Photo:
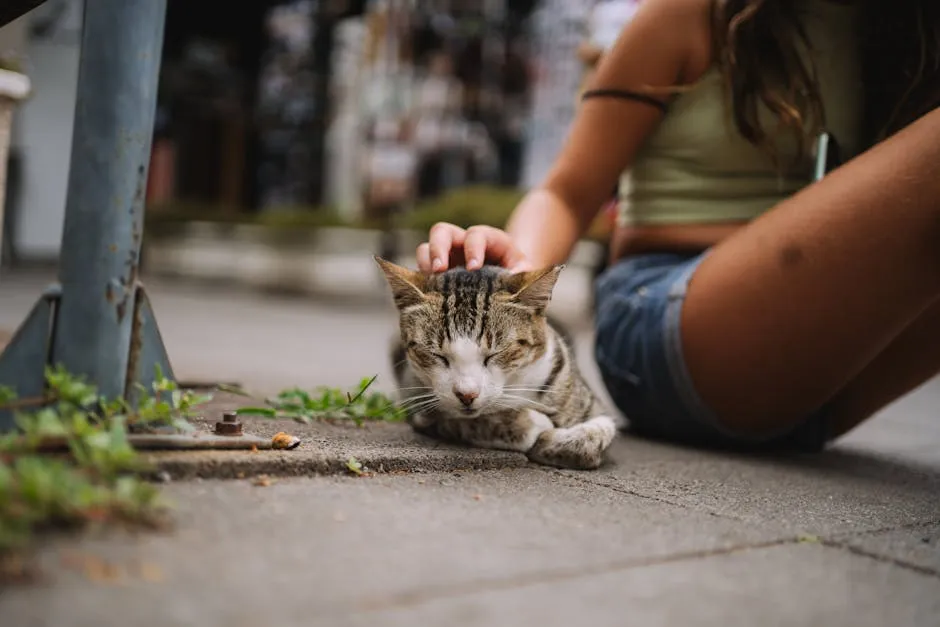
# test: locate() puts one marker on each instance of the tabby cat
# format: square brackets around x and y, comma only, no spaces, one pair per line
[479,363]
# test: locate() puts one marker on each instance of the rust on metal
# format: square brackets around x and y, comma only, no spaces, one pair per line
[161,442]
[136,341]
[229,426]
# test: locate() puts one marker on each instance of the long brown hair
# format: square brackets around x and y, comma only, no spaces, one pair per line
[756,50]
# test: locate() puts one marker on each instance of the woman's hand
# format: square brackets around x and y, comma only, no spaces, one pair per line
[449,245]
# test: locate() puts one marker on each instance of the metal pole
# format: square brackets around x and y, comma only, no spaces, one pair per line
[114,116]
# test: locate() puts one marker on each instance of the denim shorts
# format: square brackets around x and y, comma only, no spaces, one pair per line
[638,349]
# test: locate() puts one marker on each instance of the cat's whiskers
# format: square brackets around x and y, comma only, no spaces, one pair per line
[426,405]
[413,395]
[537,390]
[528,401]
[529,388]
[417,399]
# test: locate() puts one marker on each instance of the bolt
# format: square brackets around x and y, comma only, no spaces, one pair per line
[229,424]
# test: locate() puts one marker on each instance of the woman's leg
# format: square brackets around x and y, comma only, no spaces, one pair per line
[785,314]
[912,359]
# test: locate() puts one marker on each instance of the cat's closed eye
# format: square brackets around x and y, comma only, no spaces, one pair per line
[520,342]
[413,346]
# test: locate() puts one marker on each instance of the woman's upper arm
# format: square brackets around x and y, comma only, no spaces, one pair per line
[656,49]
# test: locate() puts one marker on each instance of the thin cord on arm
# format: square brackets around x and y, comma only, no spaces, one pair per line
[624,94]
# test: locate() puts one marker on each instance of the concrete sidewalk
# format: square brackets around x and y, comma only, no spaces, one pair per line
[443,535]
[662,536]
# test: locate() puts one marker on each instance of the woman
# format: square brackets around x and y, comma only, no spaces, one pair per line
[749,306]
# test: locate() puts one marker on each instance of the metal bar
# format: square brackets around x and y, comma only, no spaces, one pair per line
[114,115]
[147,359]
[23,363]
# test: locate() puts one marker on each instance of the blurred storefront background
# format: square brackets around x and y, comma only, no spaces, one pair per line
[321,113]
[361,105]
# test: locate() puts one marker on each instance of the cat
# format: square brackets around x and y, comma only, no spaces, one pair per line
[479,363]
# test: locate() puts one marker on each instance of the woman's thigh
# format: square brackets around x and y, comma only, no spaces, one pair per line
[639,354]
[786,312]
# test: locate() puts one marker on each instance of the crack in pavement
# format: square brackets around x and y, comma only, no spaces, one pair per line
[410,599]
[843,541]
[649,497]
[659,499]
[836,540]
[873,532]
[878,557]
[403,600]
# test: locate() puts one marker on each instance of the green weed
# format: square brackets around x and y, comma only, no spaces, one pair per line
[330,404]
[99,479]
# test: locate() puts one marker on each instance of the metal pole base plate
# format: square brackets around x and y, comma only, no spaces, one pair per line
[30,351]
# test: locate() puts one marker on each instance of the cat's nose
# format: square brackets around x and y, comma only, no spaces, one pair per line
[466,398]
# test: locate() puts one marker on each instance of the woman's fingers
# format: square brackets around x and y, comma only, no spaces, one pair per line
[476,246]
[423,255]
[449,245]
[514,260]
[488,244]
[443,238]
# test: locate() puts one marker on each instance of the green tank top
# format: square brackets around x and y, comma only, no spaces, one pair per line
[695,168]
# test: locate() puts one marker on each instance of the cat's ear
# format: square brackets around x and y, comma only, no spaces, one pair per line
[406,284]
[534,289]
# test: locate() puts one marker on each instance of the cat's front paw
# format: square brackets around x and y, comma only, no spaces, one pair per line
[548,452]
[580,447]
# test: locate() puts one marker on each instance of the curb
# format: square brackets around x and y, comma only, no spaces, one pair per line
[325,449]
[188,466]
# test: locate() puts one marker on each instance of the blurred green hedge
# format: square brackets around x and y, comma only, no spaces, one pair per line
[464,206]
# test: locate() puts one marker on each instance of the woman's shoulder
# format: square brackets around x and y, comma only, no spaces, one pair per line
[687,22]
[690,11]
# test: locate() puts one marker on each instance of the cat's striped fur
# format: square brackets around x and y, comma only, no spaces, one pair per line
[479,363]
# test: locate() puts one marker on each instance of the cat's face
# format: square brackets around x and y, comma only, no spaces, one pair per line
[472,337]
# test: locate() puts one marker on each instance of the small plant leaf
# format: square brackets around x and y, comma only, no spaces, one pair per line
[353,466]
[332,404]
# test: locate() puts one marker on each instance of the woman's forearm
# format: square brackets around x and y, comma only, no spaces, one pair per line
[544,228]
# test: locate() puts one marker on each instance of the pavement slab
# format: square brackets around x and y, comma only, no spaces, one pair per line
[319,550]
[916,546]
[840,490]
[779,586]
